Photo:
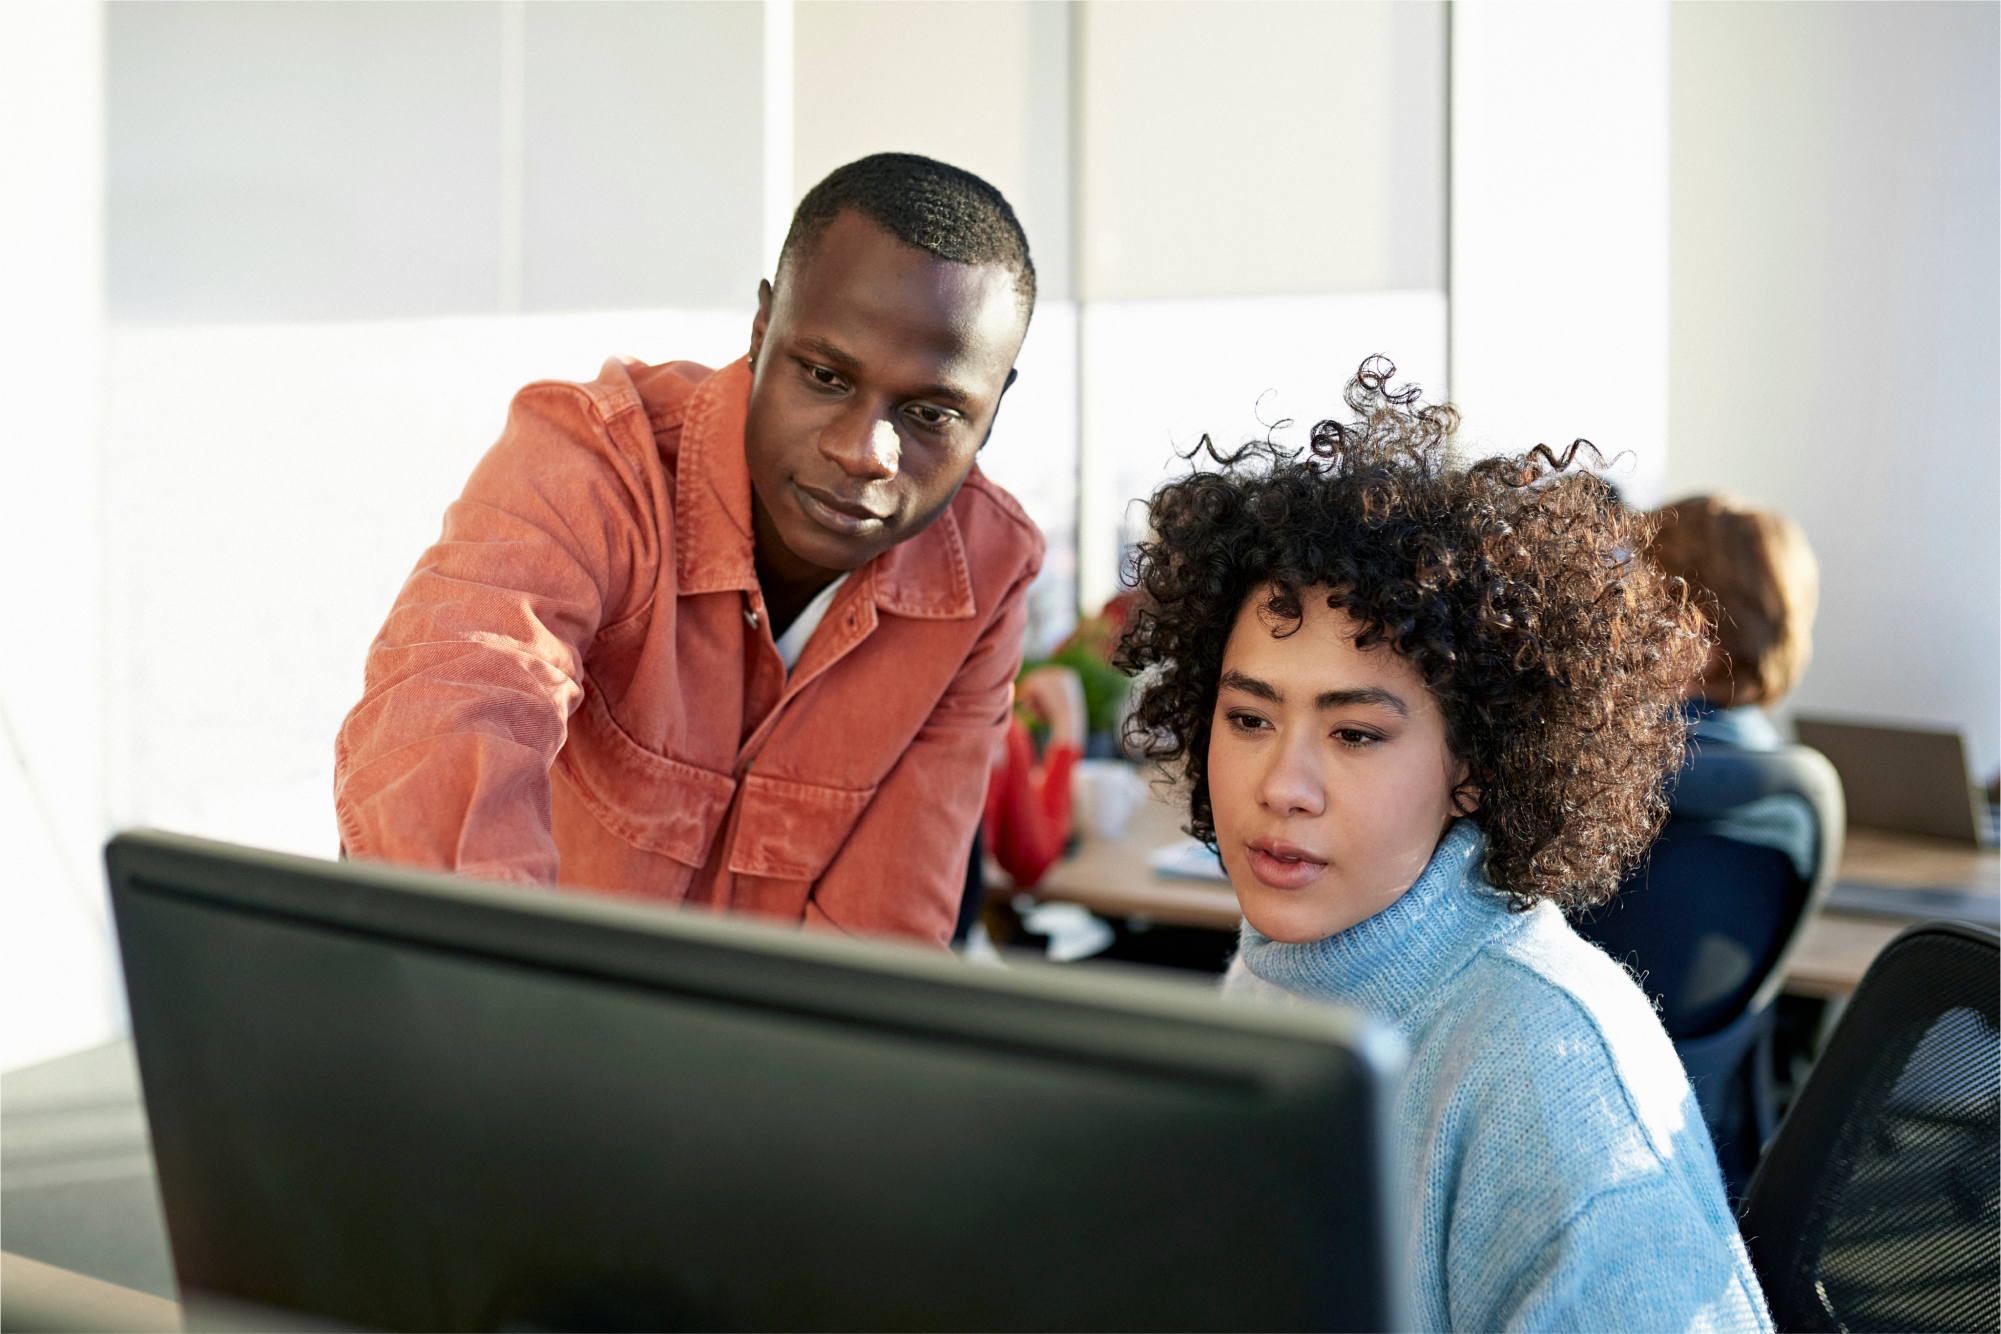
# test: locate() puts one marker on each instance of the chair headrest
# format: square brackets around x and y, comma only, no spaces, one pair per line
[1716,779]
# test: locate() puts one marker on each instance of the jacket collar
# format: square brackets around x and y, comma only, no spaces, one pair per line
[925,578]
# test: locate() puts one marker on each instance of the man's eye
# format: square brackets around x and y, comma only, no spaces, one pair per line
[823,377]
[929,416]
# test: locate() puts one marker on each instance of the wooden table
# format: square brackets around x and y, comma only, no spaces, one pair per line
[1839,946]
[1111,878]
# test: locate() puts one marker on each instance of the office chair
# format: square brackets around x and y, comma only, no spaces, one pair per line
[1876,1206]
[1707,923]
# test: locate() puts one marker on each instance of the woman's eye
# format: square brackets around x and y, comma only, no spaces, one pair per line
[1247,722]
[1355,740]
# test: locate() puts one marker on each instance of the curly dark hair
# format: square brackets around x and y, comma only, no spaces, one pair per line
[1515,586]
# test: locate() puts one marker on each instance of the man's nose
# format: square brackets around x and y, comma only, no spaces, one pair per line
[867,448]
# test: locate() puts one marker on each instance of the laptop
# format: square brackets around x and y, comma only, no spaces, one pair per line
[1901,778]
[394,1100]
[1911,781]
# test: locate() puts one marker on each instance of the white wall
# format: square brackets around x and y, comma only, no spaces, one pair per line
[1560,230]
[1262,147]
[1033,453]
[1261,205]
[328,160]
[1837,217]
[1003,114]
[1163,373]
[60,991]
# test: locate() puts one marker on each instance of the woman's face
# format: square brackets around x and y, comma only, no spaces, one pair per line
[1329,773]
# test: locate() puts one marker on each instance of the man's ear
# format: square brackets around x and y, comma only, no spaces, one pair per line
[760,321]
[1012,374]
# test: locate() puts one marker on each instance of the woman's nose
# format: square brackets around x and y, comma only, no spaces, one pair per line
[1292,784]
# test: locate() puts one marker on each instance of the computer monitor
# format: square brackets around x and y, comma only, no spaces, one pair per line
[409,1101]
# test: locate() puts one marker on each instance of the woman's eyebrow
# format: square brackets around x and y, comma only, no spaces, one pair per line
[1250,685]
[1330,699]
[1341,699]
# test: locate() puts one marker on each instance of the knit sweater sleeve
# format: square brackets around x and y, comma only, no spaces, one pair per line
[1640,1258]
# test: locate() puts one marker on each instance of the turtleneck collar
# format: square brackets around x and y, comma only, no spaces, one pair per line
[1394,965]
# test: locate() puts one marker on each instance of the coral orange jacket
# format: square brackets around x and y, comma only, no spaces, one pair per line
[578,683]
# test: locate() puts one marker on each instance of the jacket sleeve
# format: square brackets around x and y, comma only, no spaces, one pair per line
[903,868]
[445,761]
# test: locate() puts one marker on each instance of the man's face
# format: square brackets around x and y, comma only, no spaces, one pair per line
[879,368]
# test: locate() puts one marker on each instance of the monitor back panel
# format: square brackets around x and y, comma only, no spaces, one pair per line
[1899,778]
[407,1106]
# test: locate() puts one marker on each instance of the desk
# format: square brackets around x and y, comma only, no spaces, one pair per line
[34,1295]
[1913,861]
[1111,878]
[1839,945]
[76,1170]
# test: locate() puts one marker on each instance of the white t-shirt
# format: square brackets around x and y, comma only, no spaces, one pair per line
[793,642]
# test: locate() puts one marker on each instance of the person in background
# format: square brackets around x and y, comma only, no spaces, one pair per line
[741,638]
[1704,917]
[1753,577]
[1420,711]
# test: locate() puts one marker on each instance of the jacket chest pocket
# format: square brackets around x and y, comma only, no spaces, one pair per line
[656,804]
[791,831]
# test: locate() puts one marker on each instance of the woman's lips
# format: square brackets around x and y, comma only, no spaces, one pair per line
[1284,865]
[843,516]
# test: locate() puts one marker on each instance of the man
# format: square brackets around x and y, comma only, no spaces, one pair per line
[742,638]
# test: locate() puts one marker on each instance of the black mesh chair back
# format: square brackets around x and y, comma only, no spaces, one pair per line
[1876,1206]
[1707,923]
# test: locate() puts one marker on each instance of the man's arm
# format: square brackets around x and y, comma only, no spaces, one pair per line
[445,761]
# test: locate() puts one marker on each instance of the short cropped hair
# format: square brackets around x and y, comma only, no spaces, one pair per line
[1513,586]
[931,205]
[1753,576]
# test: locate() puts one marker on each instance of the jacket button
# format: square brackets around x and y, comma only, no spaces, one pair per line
[750,618]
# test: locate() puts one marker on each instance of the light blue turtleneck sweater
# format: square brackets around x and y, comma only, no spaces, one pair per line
[1559,1175]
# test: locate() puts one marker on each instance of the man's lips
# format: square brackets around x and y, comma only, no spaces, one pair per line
[1283,865]
[849,517]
